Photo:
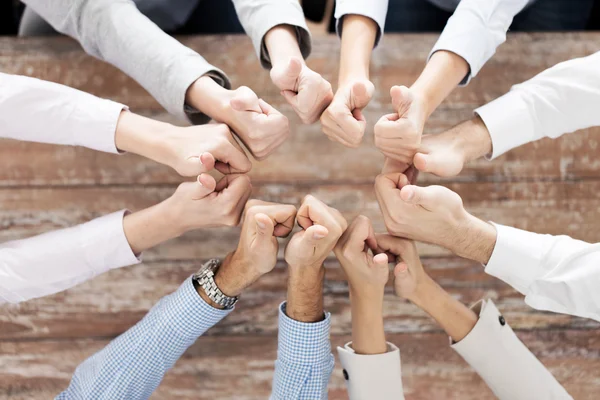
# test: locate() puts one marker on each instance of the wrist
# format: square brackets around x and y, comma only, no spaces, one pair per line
[305,294]
[210,98]
[476,239]
[366,296]
[424,292]
[234,275]
[474,138]
[281,42]
[141,135]
[204,297]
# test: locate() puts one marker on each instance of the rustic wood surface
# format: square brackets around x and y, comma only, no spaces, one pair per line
[548,186]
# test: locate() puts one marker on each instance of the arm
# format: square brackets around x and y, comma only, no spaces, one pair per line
[116,32]
[481,336]
[56,261]
[343,120]
[133,365]
[304,360]
[371,365]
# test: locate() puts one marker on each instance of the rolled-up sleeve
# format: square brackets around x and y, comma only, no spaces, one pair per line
[374,9]
[39,111]
[304,360]
[476,29]
[259,16]
[115,31]
[58,260]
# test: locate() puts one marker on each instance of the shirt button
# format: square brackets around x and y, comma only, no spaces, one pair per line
[346,377]
[502,320]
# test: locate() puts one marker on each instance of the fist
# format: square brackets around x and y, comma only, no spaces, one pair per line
[259,126]
[305,90]
[355,251]
[343,120]
[398,135]
[409,274]
[205,203]
[430,214]
[321,226]
[194,150]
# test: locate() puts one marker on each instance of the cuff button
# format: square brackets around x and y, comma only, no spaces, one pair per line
[502,320]
[346,377]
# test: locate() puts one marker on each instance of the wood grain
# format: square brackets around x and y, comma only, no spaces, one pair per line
[241,367]
[109,304]
[547,207]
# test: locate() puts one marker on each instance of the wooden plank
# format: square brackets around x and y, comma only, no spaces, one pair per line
[398,60]
[241,367]
[546,207]
[308,156]
[109,304]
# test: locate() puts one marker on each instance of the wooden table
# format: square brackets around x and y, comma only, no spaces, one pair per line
[548,186]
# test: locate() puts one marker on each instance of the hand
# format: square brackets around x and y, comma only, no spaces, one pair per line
[409,275]
[256,253]
[432,214]
[343,120]
[305,90]
[446,153]
[206,204]
[197,149]
[398,135]
[261,127]
[321,226]
[354,250]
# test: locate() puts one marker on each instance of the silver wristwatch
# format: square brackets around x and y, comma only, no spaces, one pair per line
[205,278]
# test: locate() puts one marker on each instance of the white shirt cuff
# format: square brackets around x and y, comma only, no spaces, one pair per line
[517,257]
[372,375]
[508,121]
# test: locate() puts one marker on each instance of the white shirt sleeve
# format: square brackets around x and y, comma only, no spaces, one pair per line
[506,365]
[559,100]
[39,111]
[372,376]
[56,261]
[115,31]
[555,273]
[258,17]
[476,29]
[374,9]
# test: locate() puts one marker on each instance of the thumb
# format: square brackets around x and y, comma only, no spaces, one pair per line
[424,162]
[264,227]
[401,272]
[290,96]
[415,195]
[361,93]
[293,69]
[204,185]
[245,99]
[402,99]
[200,164]
[313,235]
[380,260]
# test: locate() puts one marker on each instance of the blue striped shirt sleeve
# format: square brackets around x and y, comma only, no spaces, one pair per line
[133,365]
[304,360]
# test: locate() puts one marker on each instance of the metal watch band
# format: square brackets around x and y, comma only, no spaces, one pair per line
[206,280]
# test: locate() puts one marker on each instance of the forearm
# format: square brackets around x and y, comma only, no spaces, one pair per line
[441,75]
[73,255]
[453,316]
[559,100]
[282,44]
[473,239]
[39,111]
[305,294]
[358,39]
[368,336]
[152,226]
[116,32]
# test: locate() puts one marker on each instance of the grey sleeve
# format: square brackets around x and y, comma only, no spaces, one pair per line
[259,16]
[116,32]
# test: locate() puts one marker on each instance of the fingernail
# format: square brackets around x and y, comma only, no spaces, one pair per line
[198,180]
[261,224]
[318,235]
[411,194]
[195,158]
